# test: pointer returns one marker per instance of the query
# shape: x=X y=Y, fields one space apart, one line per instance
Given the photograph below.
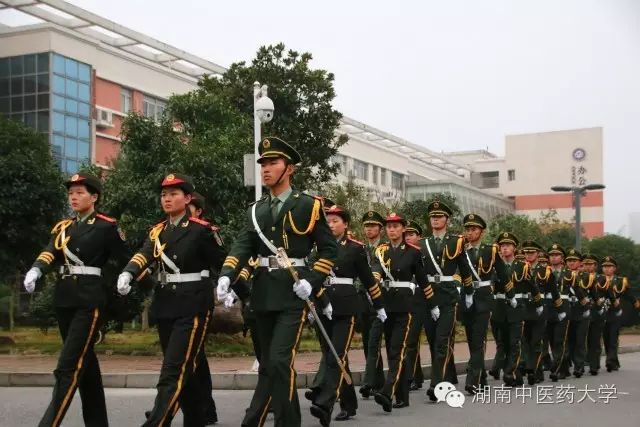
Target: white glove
x=311 y=318
x=586 y=313
x=223 y=287
x=230 y=299
x=539 y=310
x=468 y=300
x=302 y=289
x=561 y=316
x=435 y=313
x=619 y=313
x=30 y=279
x=601 y=311
x=327 y=311
x=123 y=283
x=382 y=314
x=513 y=302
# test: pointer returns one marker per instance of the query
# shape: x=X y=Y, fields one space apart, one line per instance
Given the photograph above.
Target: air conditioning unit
x=104 y=118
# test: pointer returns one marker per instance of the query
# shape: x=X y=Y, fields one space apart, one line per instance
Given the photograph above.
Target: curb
x=231 y=381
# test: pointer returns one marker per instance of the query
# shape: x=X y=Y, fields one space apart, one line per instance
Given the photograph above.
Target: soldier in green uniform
x=619 y=286
x=543 y=258
x=520 y=255
x=185 y=250
x=372 y=328
x=483 y=260
x=535 y=321
x=284 y=218
x=401 y=266
x=412 y=235
x=80 y=247
x=521 y=290
x=580 y=312
x=558 y=326
x=447 y=268
x=602 y=298
x=351 y=263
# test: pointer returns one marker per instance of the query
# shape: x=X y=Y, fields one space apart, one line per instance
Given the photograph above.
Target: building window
x=374 y=173
x=397 y=181
x=153 y=108
x=71 y=139
x=486 y=179
x=383 y=176
x=341 y=161
x=511 y=174
x=125 y=100
x=361 y=170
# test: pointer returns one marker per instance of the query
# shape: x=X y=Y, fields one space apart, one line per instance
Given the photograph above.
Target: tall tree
x=524 y=227
x=31 y=199
x=624 y=250
x=417 y=210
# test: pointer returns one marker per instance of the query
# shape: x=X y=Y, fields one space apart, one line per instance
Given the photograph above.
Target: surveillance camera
x=264 y=109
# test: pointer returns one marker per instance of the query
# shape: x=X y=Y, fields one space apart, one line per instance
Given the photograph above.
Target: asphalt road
x=606 y=400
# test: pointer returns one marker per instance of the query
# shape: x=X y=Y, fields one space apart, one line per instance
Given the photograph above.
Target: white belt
x=81 y=269
x=500 y=296
x=481 y=284
x=519 y=296
x=271 y=262
x=437 y=278
x=503 y=296
x=186 y=277
x=409 y=285
x=566 y=297
x=574 y=299
x=340 y=281
x=548 y=296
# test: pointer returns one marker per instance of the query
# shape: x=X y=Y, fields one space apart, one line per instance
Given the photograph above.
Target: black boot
x=345 y=415
x=321 y=414
x=383 y=401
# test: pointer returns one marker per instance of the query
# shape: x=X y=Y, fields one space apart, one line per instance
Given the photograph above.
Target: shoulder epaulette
x=413 y=246
x=106 y=218
x=200 y=221
x=355 y=241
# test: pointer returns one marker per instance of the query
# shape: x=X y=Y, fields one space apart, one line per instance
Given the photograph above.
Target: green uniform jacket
x=192 y=247
x=93 y=241
x=525 y=290
x=566 y=280
x=299 y=226
x=544 y=280
x=620 y=291
x=405 y=264
x=453 y=262
x=485 y=263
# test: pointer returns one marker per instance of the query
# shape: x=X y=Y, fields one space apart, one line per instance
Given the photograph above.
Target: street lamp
x=262 y=113
x=578 y=192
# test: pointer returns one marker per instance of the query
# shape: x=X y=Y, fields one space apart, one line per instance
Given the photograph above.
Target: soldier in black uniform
x=400 y=264
x=447 y=268
x=619 y=286
x=580 y=312
x=484 y=260
x=292 y=220
x=412 y=235
x=185 y=250
x=525 y=292
x=372 y=328
x=558 y=326
x=80 y=246
x=535 y=323
x=602 y=296
x=351 y=263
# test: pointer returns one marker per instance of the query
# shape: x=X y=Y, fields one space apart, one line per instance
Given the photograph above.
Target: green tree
x=304 y=115
x=522 y=226
x=352 y=197
x=31 y=200
x=416 y=210
x=623 y=250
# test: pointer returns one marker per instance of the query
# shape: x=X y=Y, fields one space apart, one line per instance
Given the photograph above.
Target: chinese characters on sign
x=578 y=172
x=547 y=394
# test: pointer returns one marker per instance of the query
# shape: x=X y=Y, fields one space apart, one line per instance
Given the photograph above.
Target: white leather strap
x=82 y=270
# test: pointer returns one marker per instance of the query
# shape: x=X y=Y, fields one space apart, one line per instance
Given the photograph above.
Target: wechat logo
x=446 y=392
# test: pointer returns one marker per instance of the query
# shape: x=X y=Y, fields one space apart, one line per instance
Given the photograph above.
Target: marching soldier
x=444 y=256
x=80 y=246
x=284 y=218
x=602 y=300
x=525 y=291
x=543 y=258
x=619 y=286
x=535 y=324
x=580 y=312
x=372 y=327
x=400 y=263
x=351 y=263
x=412 y=235
x=520 y=255
x=483 y=260
x=185 y=250
x=558 y=326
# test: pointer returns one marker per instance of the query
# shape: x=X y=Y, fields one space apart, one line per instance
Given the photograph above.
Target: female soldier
x=351 y=263
x=81 y=246
x=185 y=249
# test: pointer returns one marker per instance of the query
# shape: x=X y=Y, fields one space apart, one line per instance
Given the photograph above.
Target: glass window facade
x=51 y=93
x=153 y=108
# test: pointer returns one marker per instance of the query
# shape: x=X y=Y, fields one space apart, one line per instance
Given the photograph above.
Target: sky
x=449 y=75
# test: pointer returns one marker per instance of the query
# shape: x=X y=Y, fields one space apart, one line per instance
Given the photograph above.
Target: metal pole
x=577 y=194
x=256 y=141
